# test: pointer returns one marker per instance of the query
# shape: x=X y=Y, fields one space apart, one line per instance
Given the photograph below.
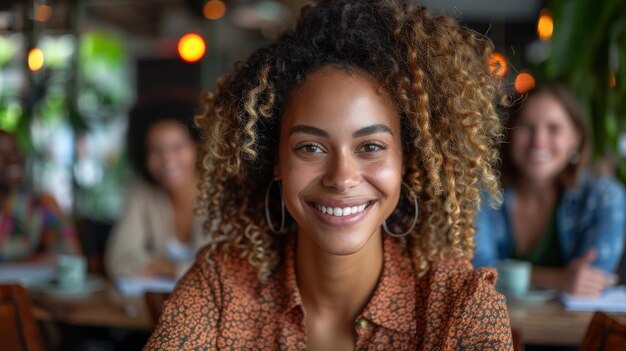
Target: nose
x=539 y=136
x=342 y=173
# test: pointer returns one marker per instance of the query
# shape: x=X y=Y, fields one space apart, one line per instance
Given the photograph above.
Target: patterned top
x=590 y=215
x=220 y=304
x=33 y=224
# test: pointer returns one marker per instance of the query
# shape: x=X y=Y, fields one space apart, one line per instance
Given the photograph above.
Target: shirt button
x=363 y=323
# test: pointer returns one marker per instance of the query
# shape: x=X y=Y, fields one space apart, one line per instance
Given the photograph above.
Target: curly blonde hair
x=437 y=74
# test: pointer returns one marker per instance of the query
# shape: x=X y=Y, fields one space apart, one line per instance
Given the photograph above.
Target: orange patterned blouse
x=220 y=304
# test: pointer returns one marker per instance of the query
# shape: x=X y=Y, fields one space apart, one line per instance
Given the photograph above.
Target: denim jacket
x=589 y=215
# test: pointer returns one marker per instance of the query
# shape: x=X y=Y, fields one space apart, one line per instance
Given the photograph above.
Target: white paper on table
x=613 y=299
x=26 y=273
x=137 y=286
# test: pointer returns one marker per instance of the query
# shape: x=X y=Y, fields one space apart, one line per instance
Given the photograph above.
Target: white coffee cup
x=513 y=277
x=71 y=271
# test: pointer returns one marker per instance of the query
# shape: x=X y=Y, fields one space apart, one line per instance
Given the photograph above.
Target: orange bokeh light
x=43 y=13
x=612 y=81
x=191 y=47
x=214 y=9
x=497 y=64
x=524 y=83
x=35 y=59
x=545 y=25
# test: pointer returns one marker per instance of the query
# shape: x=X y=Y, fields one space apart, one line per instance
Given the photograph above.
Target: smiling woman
x=364 y=132
x=157 y=234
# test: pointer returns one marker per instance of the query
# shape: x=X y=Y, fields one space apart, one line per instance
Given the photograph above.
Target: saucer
x=52 y=288
x=535 y=296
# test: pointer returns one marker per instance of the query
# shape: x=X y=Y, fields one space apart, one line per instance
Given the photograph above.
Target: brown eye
x=371 y=147
x=310 y=148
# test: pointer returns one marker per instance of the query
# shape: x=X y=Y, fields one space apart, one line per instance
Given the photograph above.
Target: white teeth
x=339 y=211
x=539 y=155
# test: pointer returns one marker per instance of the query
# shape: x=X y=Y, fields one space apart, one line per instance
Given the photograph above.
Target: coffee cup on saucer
x=513 y=277
x=71 y=271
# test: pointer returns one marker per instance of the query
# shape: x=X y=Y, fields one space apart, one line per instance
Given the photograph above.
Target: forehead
x=165 y=126
x=335 y=97
x=544 y=108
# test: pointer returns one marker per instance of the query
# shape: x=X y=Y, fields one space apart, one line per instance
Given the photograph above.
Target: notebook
x=137 y=286
x=611 y=300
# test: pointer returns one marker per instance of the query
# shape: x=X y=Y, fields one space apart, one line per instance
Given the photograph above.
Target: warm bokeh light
x=612 y=81
x=43 y=13
x=545 y=25
x=497 y=64
x=191 y=47
x=524 y=83
x=214 y=9
x=35 y=59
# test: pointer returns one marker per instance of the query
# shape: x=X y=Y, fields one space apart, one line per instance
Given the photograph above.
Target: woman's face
x=171 y=154
x=544 y=139
x=340 y=160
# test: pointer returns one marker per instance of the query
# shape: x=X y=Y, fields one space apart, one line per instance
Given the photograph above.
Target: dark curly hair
x=438 y=77
x=150 y=109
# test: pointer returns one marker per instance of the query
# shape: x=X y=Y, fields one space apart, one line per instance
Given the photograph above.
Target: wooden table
x=102 y=309
x=549 y=324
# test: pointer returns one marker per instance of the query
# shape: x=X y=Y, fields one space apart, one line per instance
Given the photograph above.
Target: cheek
x=520 y=140
x=386 y=176
x=188 y=155
x=295 y=178
x=152 y=162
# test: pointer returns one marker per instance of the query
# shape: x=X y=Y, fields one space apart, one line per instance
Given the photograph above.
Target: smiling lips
x=341 y=211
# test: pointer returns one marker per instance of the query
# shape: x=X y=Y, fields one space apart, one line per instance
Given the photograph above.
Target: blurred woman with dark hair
x=158 y=233
x=557 y=216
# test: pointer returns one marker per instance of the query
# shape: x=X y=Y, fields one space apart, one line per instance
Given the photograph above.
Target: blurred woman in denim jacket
x=567 y=223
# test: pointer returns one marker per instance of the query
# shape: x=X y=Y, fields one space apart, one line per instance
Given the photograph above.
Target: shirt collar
x=393 y=302
x=290 y=283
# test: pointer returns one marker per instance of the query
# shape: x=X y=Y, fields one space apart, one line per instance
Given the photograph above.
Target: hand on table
x=582 y=279
x=160 y=267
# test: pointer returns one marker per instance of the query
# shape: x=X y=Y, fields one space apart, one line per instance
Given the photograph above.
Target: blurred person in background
x=556 y=215
x=158 y=233
x=32 y=225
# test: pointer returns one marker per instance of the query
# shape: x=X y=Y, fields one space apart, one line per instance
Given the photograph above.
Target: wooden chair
x=518 y=345
x=18 y=327
x=154 y=301
x=604 y=334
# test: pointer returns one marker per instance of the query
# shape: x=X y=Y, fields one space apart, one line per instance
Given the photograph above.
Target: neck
x=537 y=194
x=530 y=187
x=338 y=286
x=185 y=193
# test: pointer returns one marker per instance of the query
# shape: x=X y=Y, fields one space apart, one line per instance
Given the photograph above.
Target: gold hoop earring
x=267 y=209
x=400 y=235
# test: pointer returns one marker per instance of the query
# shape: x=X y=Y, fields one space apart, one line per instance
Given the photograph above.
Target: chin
x=341 y=243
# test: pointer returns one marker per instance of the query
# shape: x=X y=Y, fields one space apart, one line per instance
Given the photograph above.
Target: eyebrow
x=301 y=128
x=373 y=129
